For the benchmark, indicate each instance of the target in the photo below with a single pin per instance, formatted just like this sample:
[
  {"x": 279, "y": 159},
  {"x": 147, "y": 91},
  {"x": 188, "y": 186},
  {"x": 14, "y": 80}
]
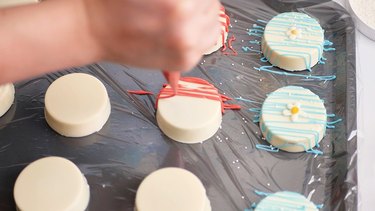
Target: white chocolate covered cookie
[
  {"x": 283, "y": 201},
  {"x": 10, "y": 3},
  {"x": 293, "y": 41},
  {"x": 6, "y": 98},
  {"x": 222, "y": 39},
  {"x": 172, "y": 189},
  {"x": 293, "y": 119},
  {"x": 191, "y": 116},
  {"x": 77, "y": 105},
  {"x": 51, "y": 183}
]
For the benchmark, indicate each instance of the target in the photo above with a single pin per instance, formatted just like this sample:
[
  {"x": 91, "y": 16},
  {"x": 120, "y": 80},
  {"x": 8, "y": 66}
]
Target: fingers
[
  {"x": 211, "y": 29},
  {"x": 203, "y": 27},
  {"x": 196, "y": 30},
  {"x": 165, "y": 34}
]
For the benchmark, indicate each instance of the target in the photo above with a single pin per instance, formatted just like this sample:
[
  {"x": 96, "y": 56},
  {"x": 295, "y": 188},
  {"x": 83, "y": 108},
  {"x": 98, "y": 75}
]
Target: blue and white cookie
[
  {"x": 286, "y": 201},
  {"x": 293, "y": 119},
  {"x": 293, "y": 41}
]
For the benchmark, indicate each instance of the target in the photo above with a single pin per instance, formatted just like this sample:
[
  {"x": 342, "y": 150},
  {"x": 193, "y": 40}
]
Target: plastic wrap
[{"x": 130, "y": 146}]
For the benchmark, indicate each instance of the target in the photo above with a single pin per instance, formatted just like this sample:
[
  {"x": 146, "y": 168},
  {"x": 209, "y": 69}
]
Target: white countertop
[{"x": 366, "y": 115}]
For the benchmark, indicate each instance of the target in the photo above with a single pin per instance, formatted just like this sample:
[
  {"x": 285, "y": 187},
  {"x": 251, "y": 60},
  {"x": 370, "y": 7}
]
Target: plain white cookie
[
  {"x": 77, "y": 105},
  {"x": 51, "y": 183},
  {"x": 6, "y": 98},
  {"x": 293, "y": 41},
  {"x": 172, "y": 189},
  {"x": 10, "y": 3},
  {"x": 189, "y": 119}
]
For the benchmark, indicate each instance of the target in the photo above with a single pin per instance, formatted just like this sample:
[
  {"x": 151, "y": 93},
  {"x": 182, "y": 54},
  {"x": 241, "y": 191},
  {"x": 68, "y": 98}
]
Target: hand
[{"x": 165, "y": 34}]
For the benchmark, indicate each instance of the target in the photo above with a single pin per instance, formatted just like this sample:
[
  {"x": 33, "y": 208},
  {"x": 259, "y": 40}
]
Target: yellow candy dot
[
  {"x": 294, "y": 32},
  {"x": 294, "y": 110}
]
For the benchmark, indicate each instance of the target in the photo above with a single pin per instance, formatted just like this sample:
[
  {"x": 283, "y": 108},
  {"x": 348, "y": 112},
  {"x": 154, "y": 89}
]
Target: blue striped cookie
[
  {"x": 293, "y": 41},
  {"x": 293, "y": 119},
  {"x": 286, "y": 201}
]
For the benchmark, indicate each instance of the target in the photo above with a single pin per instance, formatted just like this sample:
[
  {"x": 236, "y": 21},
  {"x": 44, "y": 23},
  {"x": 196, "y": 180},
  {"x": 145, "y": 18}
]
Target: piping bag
[{"x": 172, "y": 78}]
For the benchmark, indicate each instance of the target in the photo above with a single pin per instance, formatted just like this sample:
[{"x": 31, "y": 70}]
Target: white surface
[
  {"x": 365, "y": 119},
  {"x": 293, "y": 132},
  {"x": 189, "y": 119},
  {"x": 366, "y": 116},
  {"x": 51, "y": 183},
  {"x": 6, "y": 98},
  {"x": 77, "y": 105},
  {"x": 172, "y": 189}
]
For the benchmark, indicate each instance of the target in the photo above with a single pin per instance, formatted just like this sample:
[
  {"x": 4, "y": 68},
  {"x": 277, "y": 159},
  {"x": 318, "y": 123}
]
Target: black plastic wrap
[{"x": 130, "y": 146}]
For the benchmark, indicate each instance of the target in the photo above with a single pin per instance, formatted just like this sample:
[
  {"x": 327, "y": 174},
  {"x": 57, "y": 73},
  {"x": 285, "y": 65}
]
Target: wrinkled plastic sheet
[{"x": 130, "y": 146}]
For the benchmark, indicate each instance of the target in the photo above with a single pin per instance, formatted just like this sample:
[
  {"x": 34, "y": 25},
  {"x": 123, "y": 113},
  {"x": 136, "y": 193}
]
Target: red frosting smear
[
  {"x": 230, "y": 46},
  {"x": 226, "y": 24},
  {"x": 139, "y": 92},
  {"x": 203, "y": 89}
]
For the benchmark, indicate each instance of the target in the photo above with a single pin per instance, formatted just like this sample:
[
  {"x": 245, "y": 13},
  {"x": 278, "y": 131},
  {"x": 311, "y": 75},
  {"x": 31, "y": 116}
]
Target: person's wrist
[{"x": 90, "y": 45}]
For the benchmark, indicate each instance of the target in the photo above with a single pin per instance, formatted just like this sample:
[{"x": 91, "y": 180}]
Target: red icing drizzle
[
  {"x": 204, "y": 90},
  {"x": 230, "y": 46},
  {"x": 139, "y": 92},
  {"x": 226, "y": 24}
]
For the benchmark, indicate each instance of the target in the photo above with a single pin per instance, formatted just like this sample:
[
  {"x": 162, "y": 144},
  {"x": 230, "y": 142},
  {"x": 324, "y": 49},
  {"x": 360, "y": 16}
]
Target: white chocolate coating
[
  {"x": 286, "y": 200},
  {"x": 293, "y": 41},
  {"x": 77, "y": 105},
  {"x": 218, "y": 44},
  {"x": 189, "y": 119},
  {"x": 10, "y": 3},
  {"x": 172, "y": 189},
  {"x": 6, "y": 98},
  {"x": 293, "y": 132},
  {"x": 219, "y": 41},
  {"x": 51, "y": 183}
]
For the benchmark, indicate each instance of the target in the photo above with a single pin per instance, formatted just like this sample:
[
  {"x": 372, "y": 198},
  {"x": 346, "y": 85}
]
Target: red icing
[
  {"x": 230, "y": 46},
  {"x": 139, "y": 92},
  {"x": 172, "y": 78},
  {"x": 226, "y": 24},
  {"x": 204, "y": 90}
]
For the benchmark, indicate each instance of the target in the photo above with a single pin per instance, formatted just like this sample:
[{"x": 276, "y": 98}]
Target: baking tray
[{"x": 130, "y": 146}]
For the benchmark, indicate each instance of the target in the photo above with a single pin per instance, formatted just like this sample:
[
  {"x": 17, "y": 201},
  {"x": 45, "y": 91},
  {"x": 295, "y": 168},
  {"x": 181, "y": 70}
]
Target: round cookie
[
  {"x": 293, "y": 41},
  {"x": 222, "y": 39},
  {"x": 293, "y": 119},
  {"x": 193, "y": 115},
  {"x": 51, "y": 183},
  {"x": 77, "y": 105},
  {"x": 12, "y": 3},
  {"x": 171, "y": 189},
  {"x": 6, "y": 98},
  {"x": 286, "y": 201}
]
